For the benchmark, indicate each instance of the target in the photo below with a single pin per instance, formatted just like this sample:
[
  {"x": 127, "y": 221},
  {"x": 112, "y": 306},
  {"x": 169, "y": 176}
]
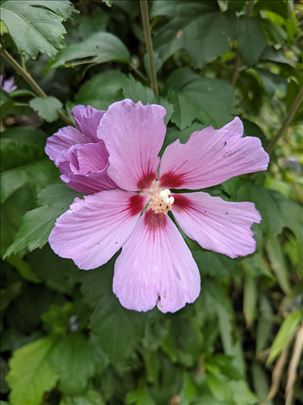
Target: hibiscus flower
[
  {"x": 79, "y": 154},
  {"x": 8, "y": 85},
  {"x": 155, "y": 266}
]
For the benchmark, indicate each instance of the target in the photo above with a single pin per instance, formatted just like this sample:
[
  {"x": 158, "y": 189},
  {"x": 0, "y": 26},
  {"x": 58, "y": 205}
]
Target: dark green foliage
[{"x": 65, "y": 338}]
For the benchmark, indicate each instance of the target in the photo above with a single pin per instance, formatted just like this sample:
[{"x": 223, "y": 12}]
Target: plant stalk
[
  {"x": 149, "y": 45},
  {"x": 287, "y": 120},
  {"x": 29, "y": 79}
]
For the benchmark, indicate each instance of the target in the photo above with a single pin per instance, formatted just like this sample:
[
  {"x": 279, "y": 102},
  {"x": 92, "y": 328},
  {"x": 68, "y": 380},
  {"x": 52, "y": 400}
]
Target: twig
[
  {"x": 287, "y": 120},
  {"x": 149, "y": 44},
  {"x": 29, "y": 79},
  {"x": 236, "y": 70},
  {"x": 277, "y": 374},
  {"x": 293, "y": 365},
  {"x": 250, "y": 8}
]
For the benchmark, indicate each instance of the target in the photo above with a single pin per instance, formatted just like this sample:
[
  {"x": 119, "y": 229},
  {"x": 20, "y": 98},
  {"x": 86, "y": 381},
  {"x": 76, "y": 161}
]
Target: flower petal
[
  {"x": 218, "y": 225},
  {"x": 212, "y": 156},
  {"x": 95, "y": 228},
  {"x": 83, "y": 168},
  {"x": 133, "y": 134},
  {"x": 62, "y": 140},
  {"x": 156, "y": 267},
  {"x": 87, "y": 119}
]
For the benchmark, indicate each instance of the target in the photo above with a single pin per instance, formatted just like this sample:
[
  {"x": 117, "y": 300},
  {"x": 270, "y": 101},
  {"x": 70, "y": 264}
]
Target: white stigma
[{"x": 166, "y": 197}]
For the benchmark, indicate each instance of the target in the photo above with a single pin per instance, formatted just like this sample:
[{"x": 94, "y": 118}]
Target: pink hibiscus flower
[
  {"x": 156, "y": 267},
  {"x": 79, "y": 154}
]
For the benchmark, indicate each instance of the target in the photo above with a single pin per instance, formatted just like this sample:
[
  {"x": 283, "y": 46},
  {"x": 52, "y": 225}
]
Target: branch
[
  {"x": 29, "y": 79},
  {"x": 287, "y": 120},
  {"x": 149, "y": 44}
]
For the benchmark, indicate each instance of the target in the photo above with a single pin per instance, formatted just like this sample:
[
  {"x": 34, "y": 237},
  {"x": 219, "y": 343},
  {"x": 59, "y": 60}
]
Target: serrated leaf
[
  {"x": 38, "y": 174},
  {"x": 251, "y": 39},
  {"x": 109, "y": 318},
  {"x": 36, "y": 26},
  {"x": 46, "y": 107},
  {"x": 72, "y": 358},
  {"x": 99, "y": 48},
  {"x": 38, "y": 223},
  {"x": 31, "y": 374},
  {"x": 285, "y": 334}
]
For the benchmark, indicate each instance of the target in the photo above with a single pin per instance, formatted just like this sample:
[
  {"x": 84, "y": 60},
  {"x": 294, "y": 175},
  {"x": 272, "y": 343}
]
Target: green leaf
[
  {"x": 38, "y": 174},
  {"x": 139, "y": 396},
  {"x": 251, "y": 39},
  {"x": 72, "y": 358},
  {"x": 268, "y": 202},
  {"x": 102, "y": 89},
  {"x": 47, "y": 107},
  {"x": 265, "y": 324},
  {"x": 137, "y": 92},
  {"x": 241, "y": 393},
  {"x": 285, "y": 334},
  {"x": 12, "y": 212},
  {"x": 6, "y": 103},
  {"x": 38, "y": 223},
  {"x": 99, "y": 48},
  {"x": 209, "y": 36},
  {"x": 36, "y": 25},
  {"x": 210, "y": 101},
  {"x": 21, "y": 145},
  {"x": 91, "y": 397},
  {"x": 31, "y": 374},
  {"x": 110, "y": 318},
  {"x": 278, "y": 263},
  {"x": 23, "y": 268},
  {"x": 249, "y": 298}
]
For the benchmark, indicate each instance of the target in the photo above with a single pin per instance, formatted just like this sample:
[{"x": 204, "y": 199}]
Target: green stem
[
  {"x": 29, "y": 79},
  {"x": 287, "y": 120},
  {"x": 149, "y": 44}
]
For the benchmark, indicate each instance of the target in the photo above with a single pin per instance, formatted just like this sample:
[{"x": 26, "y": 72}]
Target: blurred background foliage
[{"x": 65, "y": 338}]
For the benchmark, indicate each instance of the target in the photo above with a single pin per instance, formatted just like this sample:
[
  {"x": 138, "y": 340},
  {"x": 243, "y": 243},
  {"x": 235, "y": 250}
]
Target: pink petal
[
  {"x": 218, "y": 225},
  {"x": 95, "y": 228},
  {"x": 63, "y": 140},
  {"x": 87, "y": 119},
  {"x": 83, "y": 168},
  {"x": 212, "y": 156},
  {"x": 133, "y": 134},
  {"x": 156, "y": 267}
]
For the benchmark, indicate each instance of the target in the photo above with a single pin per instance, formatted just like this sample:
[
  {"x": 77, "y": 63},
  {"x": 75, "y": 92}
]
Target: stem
[
  {"x": 29, "y": 79},
  {"x": 236, "y": 72},
  {"x": 149, "y": 44},
  {"x": 137, "y": 71},
  {"x": 287, "y": 120},
  {"x": 250, "y": 8}
]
